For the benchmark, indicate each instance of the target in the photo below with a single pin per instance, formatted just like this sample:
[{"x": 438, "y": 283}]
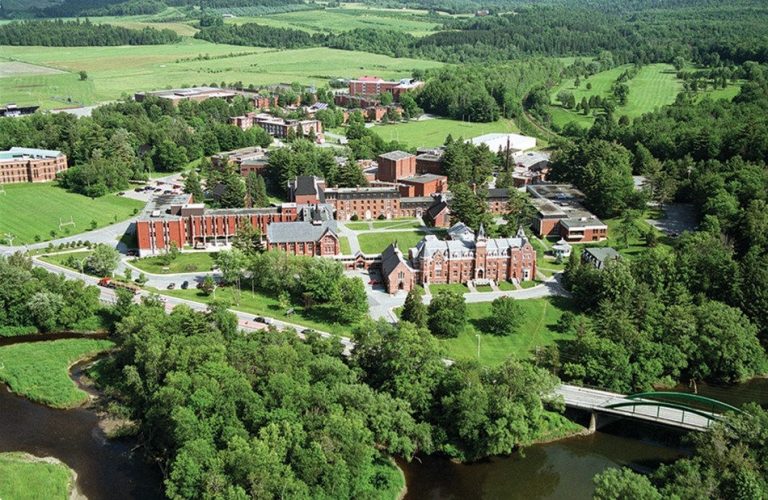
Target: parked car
[
  {"x": 307, "y": 331},
  {"x": 171, "y": 286},
  {"x": 131, "y": 253},
  {"x": 184, "y": 285},
  {"x": 373, "y": 282},
  {"x": 262, "y": 319},
  {"x": 139, "y": 190},
  {"x": 121, "y": 193}
]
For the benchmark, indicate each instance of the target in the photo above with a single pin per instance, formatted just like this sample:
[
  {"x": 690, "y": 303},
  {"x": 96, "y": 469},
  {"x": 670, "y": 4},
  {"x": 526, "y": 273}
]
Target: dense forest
[{"x": 80, "y": 34}]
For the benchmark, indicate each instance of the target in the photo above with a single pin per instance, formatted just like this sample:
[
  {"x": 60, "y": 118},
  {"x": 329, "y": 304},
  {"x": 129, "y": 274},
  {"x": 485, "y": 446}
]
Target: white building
[{"x": 503, "y": 142}]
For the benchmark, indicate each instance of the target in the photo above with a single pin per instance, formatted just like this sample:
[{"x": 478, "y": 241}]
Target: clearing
[
  {"x": 117, "y": 71},
  {"x": 31, "y": 211},
  {"x": 432, "y": 132},
  {"x": 40, "y": 371},
  {"x": 374, "y": 243},
  {"x": 536, "y": 329},
  {"x": 27, "y": 476}
]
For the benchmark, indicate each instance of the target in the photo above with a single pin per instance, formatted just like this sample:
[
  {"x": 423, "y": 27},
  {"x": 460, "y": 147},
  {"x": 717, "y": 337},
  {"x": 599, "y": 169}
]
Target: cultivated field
[
  {"x": 15, "y": 68},
  {"x": 432, "y": 132},
  {"x": 336, "y": 20},
  {"x": 114, "y": 72},
  {"x": 29, "y": 210}
]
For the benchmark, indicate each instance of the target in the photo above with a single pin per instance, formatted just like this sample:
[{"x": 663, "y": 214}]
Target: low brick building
[
  {"x": 429, "y": 161},
  {"x": 422, "y": 185},
  {"x": 246, "y": 160},
  {"x": 559, "y": 212},
  {"x": 280, "y": 128},
  {"x": 30, "y": 165},
  {"x": 365, "y": 202},
  {"x": 197, "y": 94},
  {"x": 396, "y": 165}
]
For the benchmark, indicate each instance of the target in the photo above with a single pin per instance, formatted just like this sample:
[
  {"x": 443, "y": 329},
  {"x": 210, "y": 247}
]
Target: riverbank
[{"x": 26, "y": 476}]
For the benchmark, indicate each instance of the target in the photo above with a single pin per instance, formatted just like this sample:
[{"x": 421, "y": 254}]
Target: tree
[
  {"x": 469, "y": 207},
  {"x": 618, "y": 484},
  {"x": 83, "y": 75},
  {"x": 414, "y": 309},
  {"x": 44, "y": 308},
  {"x": 192, "y": 186},
  {"x": 208, "y": 285},
  {"x": 520, "y": 212},
  {"x": 256, "y": 190},
  {"x": 351, "y": 175},
  {"x": 506, "y": 316},
  {"x": 386, "y": 98},
  {"x": 102, "y": 261},
  {"x": 234, "y": 192},
  {"x": 350, "y": 302},
  {"x": 447, "y": 314},
  {"x": 170, "y": 157},
  {"x": 247, "y": 239},
  {"x": 628, "y": 228}
]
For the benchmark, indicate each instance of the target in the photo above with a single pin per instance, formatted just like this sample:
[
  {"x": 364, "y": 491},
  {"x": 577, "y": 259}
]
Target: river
[
  {"x": 106, "y": 469},
  {"x": 561, "y": 470}
]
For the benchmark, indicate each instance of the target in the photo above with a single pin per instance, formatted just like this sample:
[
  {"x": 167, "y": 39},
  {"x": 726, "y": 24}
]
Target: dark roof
[
  {"x": 422, "y": 179},
  {"x": 395, "y": 155},
  {"x": 390, "y": 259},
  {"x": 498, "y": 193},
  {"x": 602, "y": 254},
  {"x": 436, "y": 208},
  {"x": 292, "y": 232},
  {"x": 305, "y": 185}
]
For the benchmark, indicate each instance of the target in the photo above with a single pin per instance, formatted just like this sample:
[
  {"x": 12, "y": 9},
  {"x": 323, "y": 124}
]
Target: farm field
[
  {"x": 373, "y": 243},
  {"x": 115, "y": 72},
  {"x": 39, "y": 371},
  {"x": 187, "y": 262},
  {"x": 26, "y": 476},
  {"x": 337, "y": 20},
  {"x": 432, "y": 132},
  {"x": 29, "y": 210},
  {"x": 536, "y": 329}
]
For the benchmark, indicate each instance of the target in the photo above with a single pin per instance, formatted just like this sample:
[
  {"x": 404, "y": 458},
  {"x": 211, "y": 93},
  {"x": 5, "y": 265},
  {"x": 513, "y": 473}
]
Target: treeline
[
  {"x": 256, "y": 35},
  {"x": 127, "y": 140},
  {"x": 131, "y": 8},
  {"x": 78, "y": 33}
]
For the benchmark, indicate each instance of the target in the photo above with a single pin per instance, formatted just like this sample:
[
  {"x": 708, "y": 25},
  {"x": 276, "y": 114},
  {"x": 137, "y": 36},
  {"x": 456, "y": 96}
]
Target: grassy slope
[
  {"x": 39, "y": 371},
  {"x": 114, "y": 71},
  {"x": 184, "y": 263},
  {"x": 372, "y": 243},
  {"x": 336, "y": 20},
  {"x": 27, "y": 210},
  {"x": 26, "y": 478},
  {"x": 536, "y": 329},
  {"x": 62, "y": 259},
  {"x": 431, "y": 133},
  {"x": 261, "y": 304}
]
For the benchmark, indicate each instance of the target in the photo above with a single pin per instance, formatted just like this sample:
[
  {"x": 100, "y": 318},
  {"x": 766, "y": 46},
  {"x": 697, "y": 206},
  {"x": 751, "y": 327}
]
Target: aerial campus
[{"x": 383, "y": 249}]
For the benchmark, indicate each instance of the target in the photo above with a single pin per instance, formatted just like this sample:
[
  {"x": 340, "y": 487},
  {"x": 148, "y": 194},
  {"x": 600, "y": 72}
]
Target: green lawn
[
  {"x": 65, "y": 259},
  {"x": 384, "y": 224},
  {"x": 186, "y": 262},
  {"x": 655, "y": 85},
  {"x": 25, "y": 477},
  {"x": 636, "y": 245},
  {"x": 536, "y": 329},
  {"x": 506, "y": 286},
  {"x": 429, "y": 133},
  {"x": 262, "y": 304},
  {"x": 372, "y": 243},
  {"x": 456, "y": 287},
  {"x": 344, "y": 246},
  {"x": 40, "y": 371},
  {"x": 29, "y": 210},
  {"x": 117, "y": 71}
]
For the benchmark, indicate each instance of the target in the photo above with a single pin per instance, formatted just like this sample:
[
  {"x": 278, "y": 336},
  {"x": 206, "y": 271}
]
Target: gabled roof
[
  {"x": 436, "y": 208},
  {"x": 299, "y": 232},
  {"x": 390, "y": 259},
  {"x": 602, "y": 254},
  {"x": 305, "y": 185}
]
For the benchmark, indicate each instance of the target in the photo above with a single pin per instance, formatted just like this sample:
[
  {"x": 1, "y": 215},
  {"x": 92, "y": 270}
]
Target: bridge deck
[{"x": 594, "y": 400}]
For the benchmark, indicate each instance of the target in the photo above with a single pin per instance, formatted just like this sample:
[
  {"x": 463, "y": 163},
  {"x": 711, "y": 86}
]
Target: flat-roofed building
[
  {"x": 422, "y": 185},
  {"x": 246, "y": 160},
  {"x": 499, "y": 143},
  {"x": 429, "y": 161},
  {"x": 197, "y": 94},
  {"x": 280, "y": 128},
  {"x": 365, "y": 202},
  {"x": 30, "y": 165},
  {"x": 559, "y": 210},
  {"x": 396, "y": 165}
]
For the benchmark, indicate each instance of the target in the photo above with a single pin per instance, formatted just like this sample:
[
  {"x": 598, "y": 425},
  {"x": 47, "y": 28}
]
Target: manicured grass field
[
  {"x": 372, "y": 243},
  {"x": 63, "y": 259},
  {"x": 636, "y": 245},
  {"x": 25, "y": 477},
  {"x": 337, "y": 20},
  {"x": 40, "y": 371},
  {"x": 27, "y": 210},
  {"x": 384, "y": 224},
  {"x": 344, "y": 245},
  {"x": 432, "y": 132},
  {"x": 536, "y": 329},
  {"x": 506, "y": 286},
  {"x": 262, "y": 304},
  {"x": 187, "y": 262},
  {"x": 455, "y": 287},
  {"x": 655, "y": 85},
  {"x": 117, "y": 71}
]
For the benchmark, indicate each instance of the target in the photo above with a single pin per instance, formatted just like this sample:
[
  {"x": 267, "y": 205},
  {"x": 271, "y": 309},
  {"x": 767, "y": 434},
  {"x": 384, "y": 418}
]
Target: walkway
[{"x": 641, "y": 409}]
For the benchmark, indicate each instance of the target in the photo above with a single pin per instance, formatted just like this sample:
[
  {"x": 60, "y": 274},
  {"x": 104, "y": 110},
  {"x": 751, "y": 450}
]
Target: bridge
[{"x": 673, "y": 409}]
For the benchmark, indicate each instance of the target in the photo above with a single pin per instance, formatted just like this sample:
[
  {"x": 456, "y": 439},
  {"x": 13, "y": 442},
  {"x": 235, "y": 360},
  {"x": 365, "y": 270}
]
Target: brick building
[
  {"x": 429, "y": 161},
  {"x": 372, "y": 86},
  {"x": 464, "y": 257},
  {"x": 422, "y": 185},
  {"x": 280, "y": 128},
  {"x": 559, "y": 211},
  {"x": 245, "y": 160},
  {"x": 197, "y": 94},
  {"x": 314, "y": 238},
  {"x": 396, "y": 165},
  {"x": 365, "y": 202},
  {"x": 30, "y": 165}
]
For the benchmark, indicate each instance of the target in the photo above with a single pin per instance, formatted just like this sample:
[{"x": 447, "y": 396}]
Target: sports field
[
  {"x": 432, "y": 132},
  {"x": 114, "y": 72},
  {"x": 373, "y": 243},
  {"x": 29, "y": 210}
]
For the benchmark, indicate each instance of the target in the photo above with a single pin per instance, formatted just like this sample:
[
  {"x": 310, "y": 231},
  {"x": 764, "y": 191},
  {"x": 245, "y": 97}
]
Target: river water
[{"x": 561, "y": 470}]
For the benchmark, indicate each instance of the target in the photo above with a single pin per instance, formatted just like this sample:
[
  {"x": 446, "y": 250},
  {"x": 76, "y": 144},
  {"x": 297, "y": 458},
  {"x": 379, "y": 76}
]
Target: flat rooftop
[
  {"x": 423, "y": 179},
  {"x": 395, "y": 155},
  {"x": 555, "y": 192}
]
